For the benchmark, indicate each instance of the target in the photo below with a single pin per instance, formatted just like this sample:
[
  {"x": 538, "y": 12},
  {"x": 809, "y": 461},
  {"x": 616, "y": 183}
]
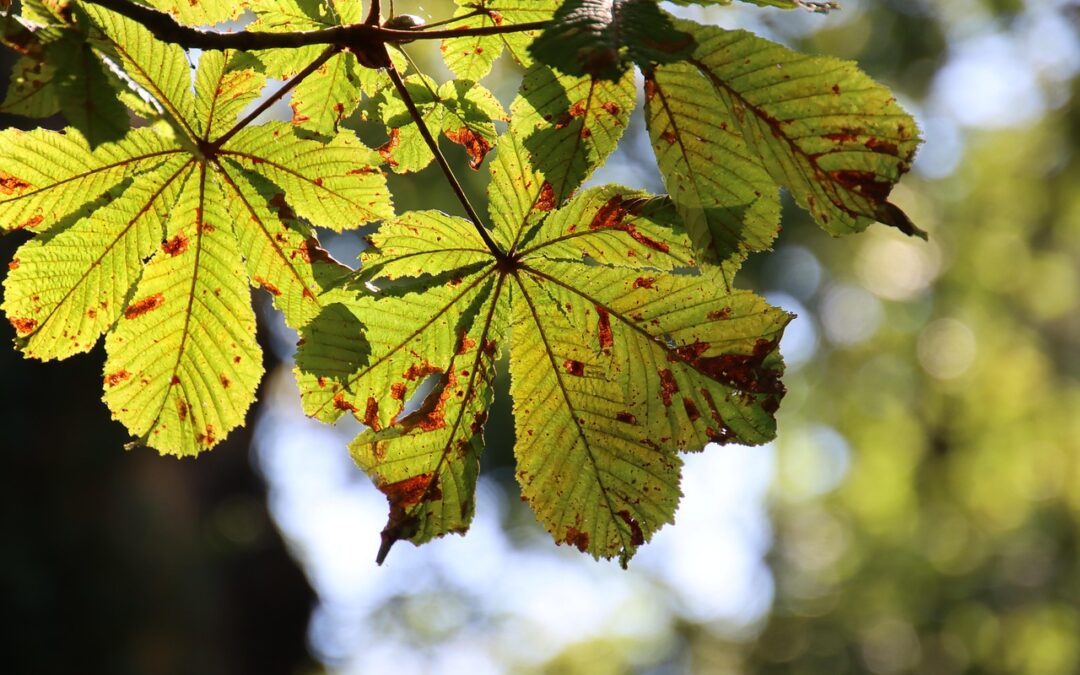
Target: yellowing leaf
[
  {"x": 156, "y": 240},
  {"x": 824, "y": 130},
  {"x": 471, "y": 58},
  {"x": 622, "y": 353}
]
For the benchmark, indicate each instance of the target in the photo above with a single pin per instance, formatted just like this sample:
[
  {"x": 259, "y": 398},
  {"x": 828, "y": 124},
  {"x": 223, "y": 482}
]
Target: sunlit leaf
[
  {"x": 727, "y": 201},
  {"x": 823, "y": 129},
  {"x": 471, "y": 58},
  {"x": 622, "y": 353},
  {"x": 155, "y": 240},
  {"x": 462, "y": 111}
]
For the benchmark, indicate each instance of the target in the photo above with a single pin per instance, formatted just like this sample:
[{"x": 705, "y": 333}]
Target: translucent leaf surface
[
  {"x": 471, "y": 58},
  {"x": 622, "y": 353},
  {"x": 328, "y": 96},
  {"x": 156, "y": 240},
  {"x": 821, "y": 128},
  {"x": 728, "y": 202},
  {"x": 462, "y": 111}
]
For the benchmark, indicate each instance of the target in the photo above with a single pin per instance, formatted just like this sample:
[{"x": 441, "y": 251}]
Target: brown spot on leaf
[
  {"x": 148, "y": 304},
  {"x": 310, "y": 252},
  {"x": 176, "y": 245},
  {"x": 9, "y": 184},
  {"x": 577, "y": 538},
  {"x": 274, "y": 290},
  {"x": 744, "y": 372},
  {"x": 225, "y": 382},
  {"x": 478, "y": 422},
  {"x": 636, "y": 536},
  {"x": 692, "y": 411},
  {"x": 878, "y": 145},
  {"x": 31, "y": 223},
  {"x": 397, "y": 391},
  {"x": 603, "y": 327},
  {"x": 174, "y": 380},
  {"x": 626, "y": 418},
  {"x": 371, "y": 413},
  {"x": 836, "y": 89},
  {"x": 611, "y": 107},
  {"x": 545, "y": 201},
  {"x": 669, "y": 136},
  {"x": 362, "y": 171},
  {"x": 720, "y": 314},
  {"x": 409, "y": 492},
  {"x": 611, "y": 215},
  {"x": 668, "y": 385},
  {"x": 91, "y": 313},
  {"x": 113, "y": 379},
  {"x": 465, "y": 344},
  {"x": 644, "y": 282},
  {"x": 181, "y": 409},
  {"x": 387, "y": 149},
  {"x": 845, "y": 135},
  {"x": 863, "y": 182},
  {"x": 13, "y": 265},
  {"x": 475, "y": 145},
  {"x": 576, "y": 368},
  {"x": 207, "y": 437},
  {"x": 650, "y": 87},
  {"x": 431, "y": 415},
  {"x": 341, "y": 404},
  {"x": 419, "y": 370},
  {"x": 578, "y": 109},
  {"x": 724, "y": 436},
  {"x": 297, "y": 116}
]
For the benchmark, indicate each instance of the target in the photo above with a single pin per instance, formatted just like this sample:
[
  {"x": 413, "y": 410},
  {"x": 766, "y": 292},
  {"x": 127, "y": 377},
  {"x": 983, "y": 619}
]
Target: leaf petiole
[{"x": 417, "y": 117}]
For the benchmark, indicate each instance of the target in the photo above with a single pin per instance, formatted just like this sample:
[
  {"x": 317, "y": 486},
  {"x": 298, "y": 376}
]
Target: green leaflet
[
  {"x": 823, "y": 129},
  {"x": 727, "y": 201},
  {"x": 471, "y": 58},
  {"x": 563, "y": 128},
  {"x": 200, "y": 13},
  {"x": 602, "y": 38},
  {"x": 156, "y": 239},
  {"x": 323, "y": 100},
  {"x": 621, "y": 354},
  {"x": 59, "y": 72},
  {"x": 462, "y": 110},
  {"x": 30, "y": 92}
]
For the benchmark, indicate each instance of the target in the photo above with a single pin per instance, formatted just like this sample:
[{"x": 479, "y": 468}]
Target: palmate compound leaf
[
  {"x": 155, "y": 239},
  {"x": 471, "y": 58},
  {"x": 621, "y": 354}
]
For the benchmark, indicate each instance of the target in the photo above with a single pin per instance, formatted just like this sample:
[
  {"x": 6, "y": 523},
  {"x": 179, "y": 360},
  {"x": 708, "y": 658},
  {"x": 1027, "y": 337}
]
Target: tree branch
[{"x": 166, "y": 29}]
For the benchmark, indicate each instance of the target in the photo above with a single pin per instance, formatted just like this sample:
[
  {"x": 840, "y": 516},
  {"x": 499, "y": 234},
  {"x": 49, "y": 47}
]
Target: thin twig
[
  {"x": 374, "y": 14},
  {"x": 277, "y": 95},
  {"x": 395, "y": 77},
  {"x": 166, "y": 29}
]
